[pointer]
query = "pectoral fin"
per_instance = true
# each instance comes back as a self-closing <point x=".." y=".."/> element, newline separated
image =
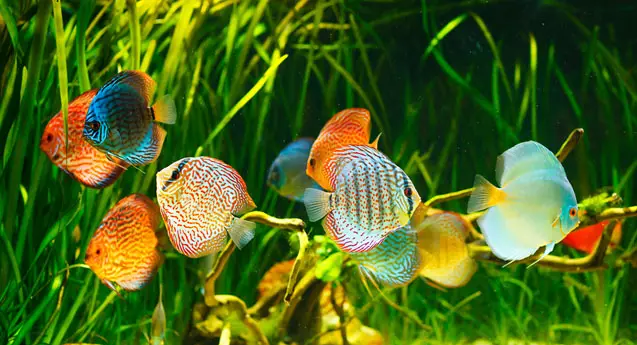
<point x="557" y="222"/>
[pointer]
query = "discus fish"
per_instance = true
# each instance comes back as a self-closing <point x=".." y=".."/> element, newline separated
<point x="199" y="199"/>
<point x="287" y="174"/>
<point x="587" y="238"/>
<point x="372" y="198"/>
<point x="121" y="123"/>
<point x="445" y="256"/>
<point x="83" y="162"/>
<point x="393" y="263"/>
<point x="535" y="206"/>
<point x="347" y="127"/>
<point x="124" y="248"/>
<point x="276" y="278"/>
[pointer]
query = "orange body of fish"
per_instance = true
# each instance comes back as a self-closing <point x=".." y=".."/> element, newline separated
<point x="82" y="162"/>
<point x="124" y="248"/>
<point x="348" y="127"/>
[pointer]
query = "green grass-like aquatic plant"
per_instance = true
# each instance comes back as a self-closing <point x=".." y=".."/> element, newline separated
<point x="449" y="84"/>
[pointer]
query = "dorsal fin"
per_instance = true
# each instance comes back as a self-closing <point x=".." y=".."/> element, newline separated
<point x="138" y="80"/>
<point x="522" y="158"/>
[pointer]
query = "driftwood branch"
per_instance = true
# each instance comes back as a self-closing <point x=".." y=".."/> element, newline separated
<point x="592" y="262"/>
<point x="338" y="308"/>
<point x="238" y="306"/>
<point x="292" y="224"/>
<point x="305" y="283"/>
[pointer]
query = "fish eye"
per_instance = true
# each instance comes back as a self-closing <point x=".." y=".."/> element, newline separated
<point x="94" y="125"/>
<point x="408" y="192"/>
<point x="56" y="156"/>
<point x="175" y="174"/>
<point x="98" y="252"/>
<point x="572" y="212"/>
<point x="312" y="162"/>
<point x="49" y="137"/>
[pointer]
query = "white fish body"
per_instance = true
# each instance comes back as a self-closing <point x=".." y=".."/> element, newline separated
<point x="535" y="206"/>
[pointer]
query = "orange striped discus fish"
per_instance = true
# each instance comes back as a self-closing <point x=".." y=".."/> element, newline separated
<point x="393" y="263"/>
<point x="199" y="199"/>
<point x="372" y="198"/>
<point x="348" y="127"/>
<point x="83" y="162"/>
<point x="445" y="256"/>
<point x="124" y="248"/>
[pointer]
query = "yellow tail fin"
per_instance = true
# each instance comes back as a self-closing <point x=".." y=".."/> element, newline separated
<point x="485" y="195"/>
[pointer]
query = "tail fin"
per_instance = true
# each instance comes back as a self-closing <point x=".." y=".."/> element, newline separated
<point x="165" y="110"/>
<point x="485" y="195"/>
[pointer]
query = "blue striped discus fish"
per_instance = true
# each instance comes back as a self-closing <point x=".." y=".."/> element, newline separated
<point x="372" y="198"/>
<point x="199" y="199"/>
<point x="121" y="123"/>
<point x="393" y="263"/>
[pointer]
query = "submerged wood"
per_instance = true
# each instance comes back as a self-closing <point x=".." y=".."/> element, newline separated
<point x="293" y="224"/>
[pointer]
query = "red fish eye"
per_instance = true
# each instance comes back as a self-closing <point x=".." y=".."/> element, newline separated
<point x="408" y="192"/>
<point x="49" y="137"/>
<point x="94" y="125"/>
<point x="572" y="212"/>
<point x="98" y="252"/>
<point x="56" y="156"/>
<point x="175" y="175"/>
<point x="312" y="162"/>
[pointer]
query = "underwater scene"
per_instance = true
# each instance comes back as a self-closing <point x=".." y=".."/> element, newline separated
<point x="320" y="172"/>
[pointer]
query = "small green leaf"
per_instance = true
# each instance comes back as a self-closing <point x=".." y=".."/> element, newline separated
<point x="329" y="269"/>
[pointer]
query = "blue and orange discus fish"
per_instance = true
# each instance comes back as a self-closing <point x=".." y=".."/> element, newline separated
<point x="393" y="263"/>
<point x="534" y="207"/>
<point x="121" y="123"/>
<point x="82" y="162"/>
<point x="372" y="198"/>
<point x="125" y="248"/>
<point x="287" y="173"/>
<point x="200" y="199"/>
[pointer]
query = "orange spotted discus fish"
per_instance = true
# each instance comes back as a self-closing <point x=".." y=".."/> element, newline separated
<point x="445" y="256"/>
<point x="83" y="162"/>
<point x="199" y="199"/>
<point x="348" y="127"/>
<point x="372" y="198"/>
<point x="393" y="263"/>
<point x="124" y="248"/>
<point x="121" y="123"/>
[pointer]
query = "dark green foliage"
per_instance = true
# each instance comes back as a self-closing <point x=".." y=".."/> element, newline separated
<point x="450" y="84"/>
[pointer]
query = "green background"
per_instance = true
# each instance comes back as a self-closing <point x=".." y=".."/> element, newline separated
<point x="450" y="84"/>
